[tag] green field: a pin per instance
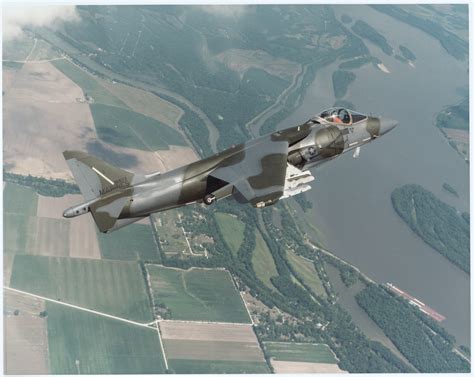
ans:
(19, 199)
(197, 294)
(304, 352)
(18, 232)
(88, 83)
(112, 287)
(19, 205)
(232, 230)
(262, 261)
(183, 366)
(127, 128)
(133, 242)
(85, 343)
(17, 49)
(306, 271)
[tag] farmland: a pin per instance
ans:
(19, 205)
(43, 230)
(126, 128)
(183, 366)
(18, 231)
(211, 348)
(306, 271)
(88, 84)
(263, 262)
(133, 242)
(51, 236)
(232, 230)
(113, 287)
(145, 103)
(304, 352)
(81, 342)
(301, 358)
(197, 294)
(19, 199)
(35, 128)
(25, 335)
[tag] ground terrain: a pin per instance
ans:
(138, 301)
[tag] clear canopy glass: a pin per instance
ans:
(340, 115)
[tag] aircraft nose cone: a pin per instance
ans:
(387, 125)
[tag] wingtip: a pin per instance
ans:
(68, 155)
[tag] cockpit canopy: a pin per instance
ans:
(340, 115)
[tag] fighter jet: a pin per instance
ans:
(260, 172)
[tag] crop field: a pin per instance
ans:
(82, 240)
(212, 348)
(197, 294)
(49, 233)
(35, 128)
(170, 235)
(294, 367)
(19, 49)
(304, 352)
(53, 207)
(184, 366)
(307, 272)
(262, 261)
(133, 242)
(127, 128)
(232, 230)
(25, 335)
(7, 268)
(51, 236)
(112, 287)
(88, 83)
(146, 103)
(18, 231)
(85, 343)
(19, 199)
(26, 233)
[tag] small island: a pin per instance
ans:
(341, 81)
(407, 53)
(366, 31)
(359, 62)
(436, 222)
(450, 189)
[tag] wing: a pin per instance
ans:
(257, 172)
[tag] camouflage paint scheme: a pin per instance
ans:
(259, 172)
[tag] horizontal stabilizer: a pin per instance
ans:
(106, 212)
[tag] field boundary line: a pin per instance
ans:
(204, 322)
(162, 346)
(246, 307)
(155, 321)
(79, 308)
(241, 297)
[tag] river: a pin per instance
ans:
(351, 197)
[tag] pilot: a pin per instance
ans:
(336, 117)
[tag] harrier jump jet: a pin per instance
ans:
(260, 171)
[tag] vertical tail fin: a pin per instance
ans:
(94, 176)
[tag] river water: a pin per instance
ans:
(351, 197)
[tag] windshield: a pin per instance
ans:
(340, 115)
